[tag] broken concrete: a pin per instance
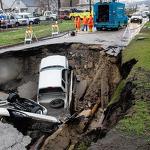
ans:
(11, 139)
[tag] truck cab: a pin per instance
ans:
(48, 15)
(110, 15)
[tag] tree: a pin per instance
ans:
(1, 4)
(70, 3)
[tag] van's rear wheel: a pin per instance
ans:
(57, 103)
(17, 24)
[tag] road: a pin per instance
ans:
(105, 38)
(10, 137)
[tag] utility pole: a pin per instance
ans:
(48, 4)
(70, 3)
(90, 3)
(1, 4)
(59, 6)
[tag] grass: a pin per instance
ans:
(116, 95)
(140, 50)
(82, 146)
(42, 30)
(137, 122)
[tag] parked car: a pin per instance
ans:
(48, 15)
(64, 15)
(53, 82)
(136, 18)
(30, 18)
(7, 21)
(20, 21)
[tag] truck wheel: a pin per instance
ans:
(57, 103)
(17, 24)
(72, 18)
(98, 29)
(31, 23)
(51, 19)
(65, 18)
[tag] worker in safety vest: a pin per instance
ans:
(90, 23)
(78, 23)
(85, 23)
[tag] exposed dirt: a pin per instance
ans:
(99, 75)
(118, 141)
(99, 71)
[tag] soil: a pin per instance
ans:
(20, 71)
(116, 140)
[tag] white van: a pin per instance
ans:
(53, 88)
(30, 18)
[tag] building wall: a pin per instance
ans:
(66, 3)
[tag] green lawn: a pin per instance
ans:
(140, 49)
(43, 30)
(137, 122)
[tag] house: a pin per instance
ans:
(20, 5)
(37, 5)
(69, 3)
(9, 5)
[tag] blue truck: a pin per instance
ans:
(109, 15)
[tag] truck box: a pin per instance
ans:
(110, 15)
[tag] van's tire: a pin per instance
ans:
(72, 18)
(57, 103)
(98, 29)
(140, 21)
(66, 18)
(31, 23)
(51, 19)
(17, 24)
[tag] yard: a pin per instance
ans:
(16, 36)
(137, 122)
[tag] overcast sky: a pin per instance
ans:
(130, 0)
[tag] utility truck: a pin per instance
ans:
(110, 15)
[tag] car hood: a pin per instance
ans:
(136, 17)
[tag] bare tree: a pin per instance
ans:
(70, 3)
(1, 4)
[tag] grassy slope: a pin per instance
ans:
(138, 121)
(17, 36)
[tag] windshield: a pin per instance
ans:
(136, 14)
(30, 15)
(18, 17)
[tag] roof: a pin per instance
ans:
(32, 3)
(55, 60)
(50, 78)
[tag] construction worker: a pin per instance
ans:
(90, 23)
(85, 23)
(78, 23)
